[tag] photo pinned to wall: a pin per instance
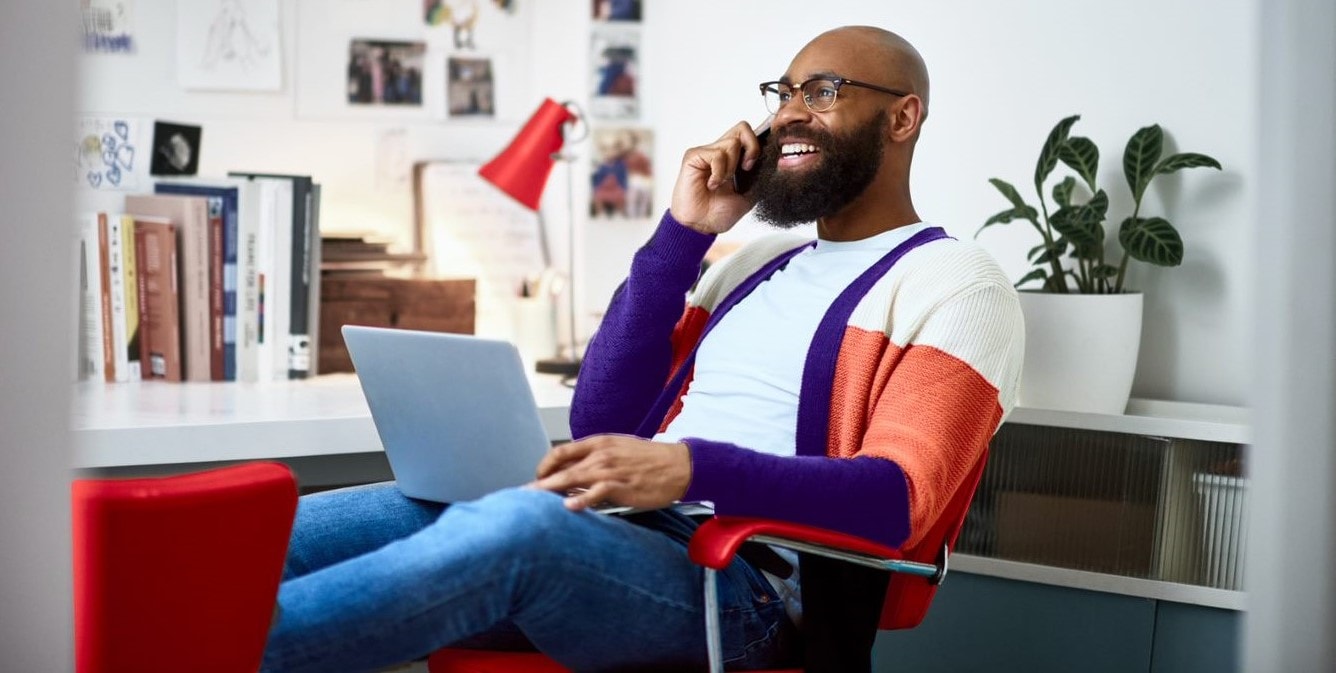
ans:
(616, 10)
(228, 45)
(107, 153)
(470, 88)
(384, 72)
(108, 26)
(622, 179)
(615, 55)
(175, 149)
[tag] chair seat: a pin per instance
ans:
(477, 661)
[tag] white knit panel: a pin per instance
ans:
(728, 273)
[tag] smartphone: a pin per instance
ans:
(743, 180)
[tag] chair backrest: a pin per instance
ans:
(908, 596)
(179, 573)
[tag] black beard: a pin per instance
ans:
(848, 165)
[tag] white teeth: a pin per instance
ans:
(788, 149)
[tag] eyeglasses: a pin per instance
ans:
(819, 93)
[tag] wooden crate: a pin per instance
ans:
(436, 305)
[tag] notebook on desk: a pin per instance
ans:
(455, 413)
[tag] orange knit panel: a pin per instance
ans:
(862, 367)
(934, 418)
(686, 334)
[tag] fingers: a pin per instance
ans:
(563, 455)
(594, 496)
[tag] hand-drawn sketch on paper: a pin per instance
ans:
(229, 44)
(108, 25)
(106, 153)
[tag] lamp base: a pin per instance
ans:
(558, 365)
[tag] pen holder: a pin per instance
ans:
(536, 328)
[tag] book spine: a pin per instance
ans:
(313, 299)
(159, 296)
(90, 302)
(231, 253)
(116, 278)
(248, 289)
(130, 281)
(104, 279)
(217, 363)
(299, 336)
(193, 262)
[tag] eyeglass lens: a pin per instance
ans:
(818, 94)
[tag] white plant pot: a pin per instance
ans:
(1080, 351)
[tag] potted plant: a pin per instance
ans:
(1083, 329)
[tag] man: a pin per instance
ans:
(850, 384)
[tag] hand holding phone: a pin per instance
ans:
(744, 179)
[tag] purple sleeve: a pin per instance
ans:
(863, 496)
(628, 359)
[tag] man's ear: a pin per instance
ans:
(905, 118)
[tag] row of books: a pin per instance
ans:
(202, 280)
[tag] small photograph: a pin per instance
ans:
(175, 149)
(615, 56)
(470, 89)
(385, 73)
(616, 10)
(622, 179)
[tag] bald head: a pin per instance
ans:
(893, 58)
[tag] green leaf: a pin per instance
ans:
(1081, 224)
(1152, 240)
(1059, 245)
(1048, 157)
(1081, 155)
(1140, 158)
(1104, 271)
(1176, 162)
(1062, 192)
(1036, 274)
(1006, 216)
(1010, 192)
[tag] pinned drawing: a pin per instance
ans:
(106, 153)
(615, 54)
(229, 44)
(108, 26)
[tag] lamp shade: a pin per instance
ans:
(521, 170)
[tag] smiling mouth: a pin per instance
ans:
(791, 150)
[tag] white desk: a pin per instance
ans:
(143, 427)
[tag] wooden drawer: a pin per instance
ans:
(435, 305)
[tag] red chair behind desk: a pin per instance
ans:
(915, 575)
(179, 573)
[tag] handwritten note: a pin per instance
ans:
(475, 230)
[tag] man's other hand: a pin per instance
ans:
(703, 197)
(620, 469)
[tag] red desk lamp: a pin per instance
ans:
(521, 170)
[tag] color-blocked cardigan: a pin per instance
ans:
(927, 367)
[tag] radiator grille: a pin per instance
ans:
(1129, 505)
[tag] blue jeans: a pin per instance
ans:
(375, 578)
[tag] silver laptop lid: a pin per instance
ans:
(455, 413)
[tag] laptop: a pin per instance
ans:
(455, 413)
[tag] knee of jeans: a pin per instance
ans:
(528, 519)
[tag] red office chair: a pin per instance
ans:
(179, 573)
(916, 573)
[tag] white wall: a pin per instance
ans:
(1003, 74)
(36, 305)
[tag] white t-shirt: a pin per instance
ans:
(749, 368)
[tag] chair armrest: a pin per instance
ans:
(718, 539)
